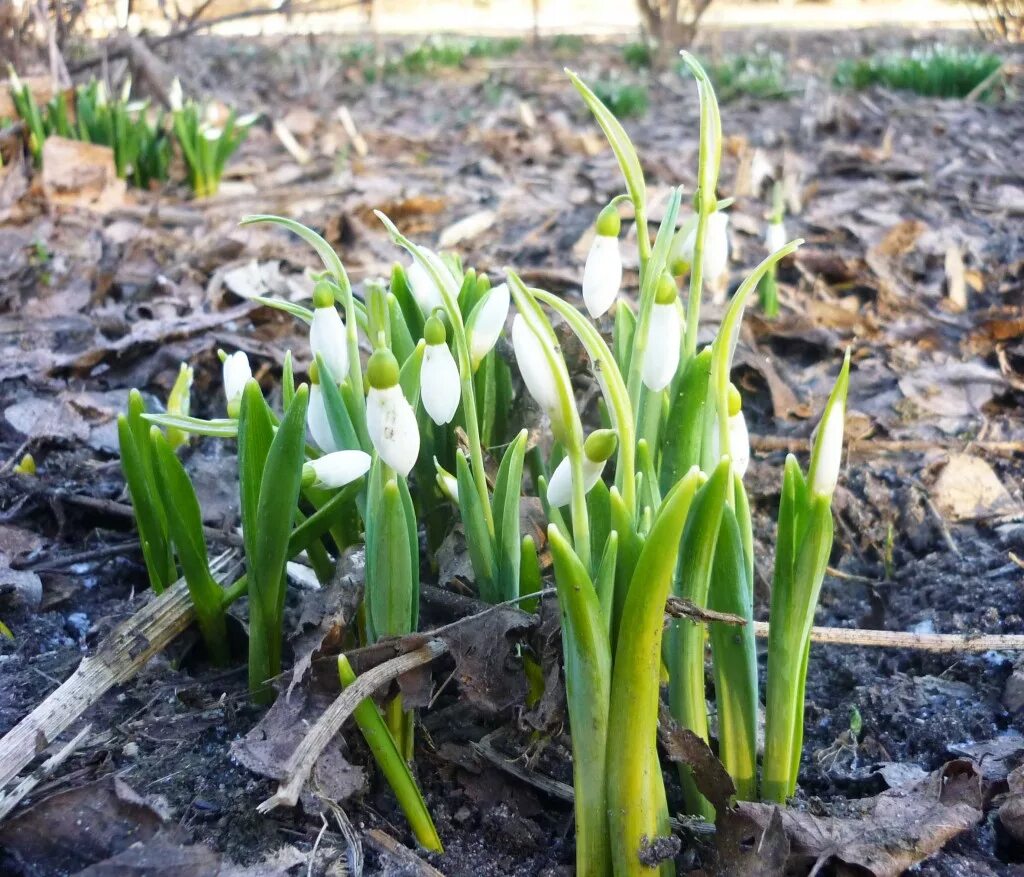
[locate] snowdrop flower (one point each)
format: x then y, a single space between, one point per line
665 336
212 133
448 483
534 366
175 96
423 288
486 322
602 275
716 246
827 454
775 236
336 469
316 415
390 420
236 375
598 447
440 388
739 443
247 120
327 332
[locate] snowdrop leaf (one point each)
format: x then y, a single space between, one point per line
478 539
505 505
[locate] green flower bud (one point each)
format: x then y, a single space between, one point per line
608 223
735 400
600 445
323 294
314 373
382 370
666 293
433 331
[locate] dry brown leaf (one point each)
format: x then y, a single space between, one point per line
968 489
77 174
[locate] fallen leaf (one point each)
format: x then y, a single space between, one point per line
968 489
78 174
466 228
158 857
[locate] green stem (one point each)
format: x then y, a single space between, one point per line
580 518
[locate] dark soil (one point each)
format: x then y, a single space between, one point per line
168 732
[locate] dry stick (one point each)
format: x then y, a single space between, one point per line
898 639
767 443
10 800
406 860
301 761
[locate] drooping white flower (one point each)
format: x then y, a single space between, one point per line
716 246
236 375
664 338
336 469
247 120
486 322
598 447
318 422
327 338
423 288
775 236
390 420
739 443
440 387
534 366
448 483
602 275
175 95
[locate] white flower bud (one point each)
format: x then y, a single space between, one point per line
739 443
829 450
602 275
440 387
664 341
775 237
534 366
423 288
338 468
327 338
560 486
318 422
236 375
391 423
716 246
175 96
486 322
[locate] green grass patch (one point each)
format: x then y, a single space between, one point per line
935 71
638 55
624 99
760 75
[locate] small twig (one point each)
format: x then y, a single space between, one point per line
768 443
560 790
10 800
355 845
676 607
316 845
898 639
301 761
407 861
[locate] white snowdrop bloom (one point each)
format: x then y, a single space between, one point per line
775 236
317 421
599 446
423 288
390 420
664 338
830 451
247 120
236 375
327 338
716 246
534 366
176 96
602 275
448 483
440 387
336 469
739 443
486 322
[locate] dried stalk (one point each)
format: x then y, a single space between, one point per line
898 639
10 800
301 761
768 443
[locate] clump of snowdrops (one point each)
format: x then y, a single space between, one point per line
643 502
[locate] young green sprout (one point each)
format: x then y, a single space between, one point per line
774 239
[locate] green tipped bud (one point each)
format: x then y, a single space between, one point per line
314 373
382 371
433 331
735 400
666 293
608 223
323 294
27 465
600 445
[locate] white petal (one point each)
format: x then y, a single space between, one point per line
661 358
424 290
602 275
340 468
560 486
488 320
175 95
716 246
739 443
830 456
316 420
327 337
533 365
391 423
440 388
236 375
775 237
